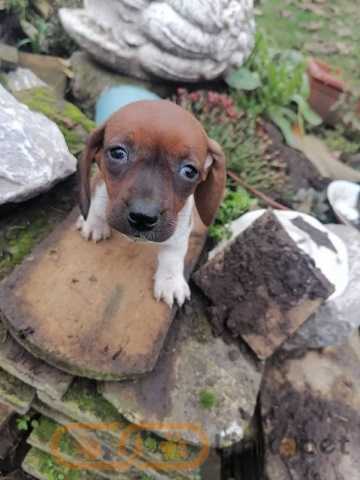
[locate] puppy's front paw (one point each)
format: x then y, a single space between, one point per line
171 288
96 230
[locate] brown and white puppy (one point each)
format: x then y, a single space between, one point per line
155 160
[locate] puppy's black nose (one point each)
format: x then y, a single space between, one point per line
141 221
143 216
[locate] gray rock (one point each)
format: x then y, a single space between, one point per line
34 155
310 415
91 79
337 318
199 380
183 40
22 79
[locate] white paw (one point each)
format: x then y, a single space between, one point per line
171 288
95 229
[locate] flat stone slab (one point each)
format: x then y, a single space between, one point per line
200 382
88 308
41 465
83 404
6 413
74 453
337 318
310 415
15 393
17 475
15 360
263 287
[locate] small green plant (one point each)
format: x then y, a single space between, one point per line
207 399
18 7
53 471
274 84
239 136
36 31
24 423
235 203
34 27
150 444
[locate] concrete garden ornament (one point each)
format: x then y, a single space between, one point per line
180 40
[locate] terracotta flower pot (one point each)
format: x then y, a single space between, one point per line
326 86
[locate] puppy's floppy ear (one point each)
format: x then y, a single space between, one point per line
93 145
209 193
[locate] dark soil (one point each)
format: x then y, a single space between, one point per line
299 170
258 268
13 448
309 435
245 460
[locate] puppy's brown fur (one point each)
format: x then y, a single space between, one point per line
159 136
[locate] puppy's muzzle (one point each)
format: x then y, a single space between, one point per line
143 216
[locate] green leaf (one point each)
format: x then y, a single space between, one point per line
244 79
278 117
22 423
305 86
289 114
309 115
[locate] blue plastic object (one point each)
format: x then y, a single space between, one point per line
116 97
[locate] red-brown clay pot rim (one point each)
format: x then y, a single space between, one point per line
322 72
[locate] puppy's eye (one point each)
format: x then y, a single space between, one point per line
119 154
189 172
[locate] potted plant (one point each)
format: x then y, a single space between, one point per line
326 88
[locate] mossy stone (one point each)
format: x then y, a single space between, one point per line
82 403
74 125
43 466
76 453
15 393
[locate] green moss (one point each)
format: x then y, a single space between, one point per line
85 395
207 399
23 423
19 241
27 224
45 429
15 393
43 434
338 142
3 80
74 125
235 203
53 470
174 451
150 443
44 466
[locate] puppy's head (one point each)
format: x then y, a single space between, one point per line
152 156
